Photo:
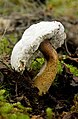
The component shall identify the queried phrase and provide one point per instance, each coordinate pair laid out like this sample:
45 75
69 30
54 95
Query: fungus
45 37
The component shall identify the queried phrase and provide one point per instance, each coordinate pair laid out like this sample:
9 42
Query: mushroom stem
44 81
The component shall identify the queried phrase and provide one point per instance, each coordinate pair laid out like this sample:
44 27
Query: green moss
2 92
21 116
5 45
6 108
1 95
16 116
60 68
49 113
12 116
12 111
73 69
37 64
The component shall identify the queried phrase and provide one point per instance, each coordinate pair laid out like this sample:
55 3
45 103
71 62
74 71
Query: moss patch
5 45
73 69
12 110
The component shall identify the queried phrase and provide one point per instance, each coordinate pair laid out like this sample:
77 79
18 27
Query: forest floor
17 96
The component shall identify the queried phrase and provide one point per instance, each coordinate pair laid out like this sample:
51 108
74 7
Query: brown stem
44 81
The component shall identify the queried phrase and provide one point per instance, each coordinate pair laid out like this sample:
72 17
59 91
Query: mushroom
45 37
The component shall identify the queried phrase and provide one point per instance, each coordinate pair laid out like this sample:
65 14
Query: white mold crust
25 49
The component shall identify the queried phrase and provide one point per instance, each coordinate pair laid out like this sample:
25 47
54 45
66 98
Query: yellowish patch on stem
44 81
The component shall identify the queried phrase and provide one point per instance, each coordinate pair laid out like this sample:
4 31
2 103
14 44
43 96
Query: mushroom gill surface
45 79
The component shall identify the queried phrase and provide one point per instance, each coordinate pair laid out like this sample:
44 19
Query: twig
67 48
16 89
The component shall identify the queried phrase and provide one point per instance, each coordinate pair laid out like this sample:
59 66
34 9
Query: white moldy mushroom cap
24 50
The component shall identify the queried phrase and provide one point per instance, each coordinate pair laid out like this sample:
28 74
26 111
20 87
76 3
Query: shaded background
17 15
